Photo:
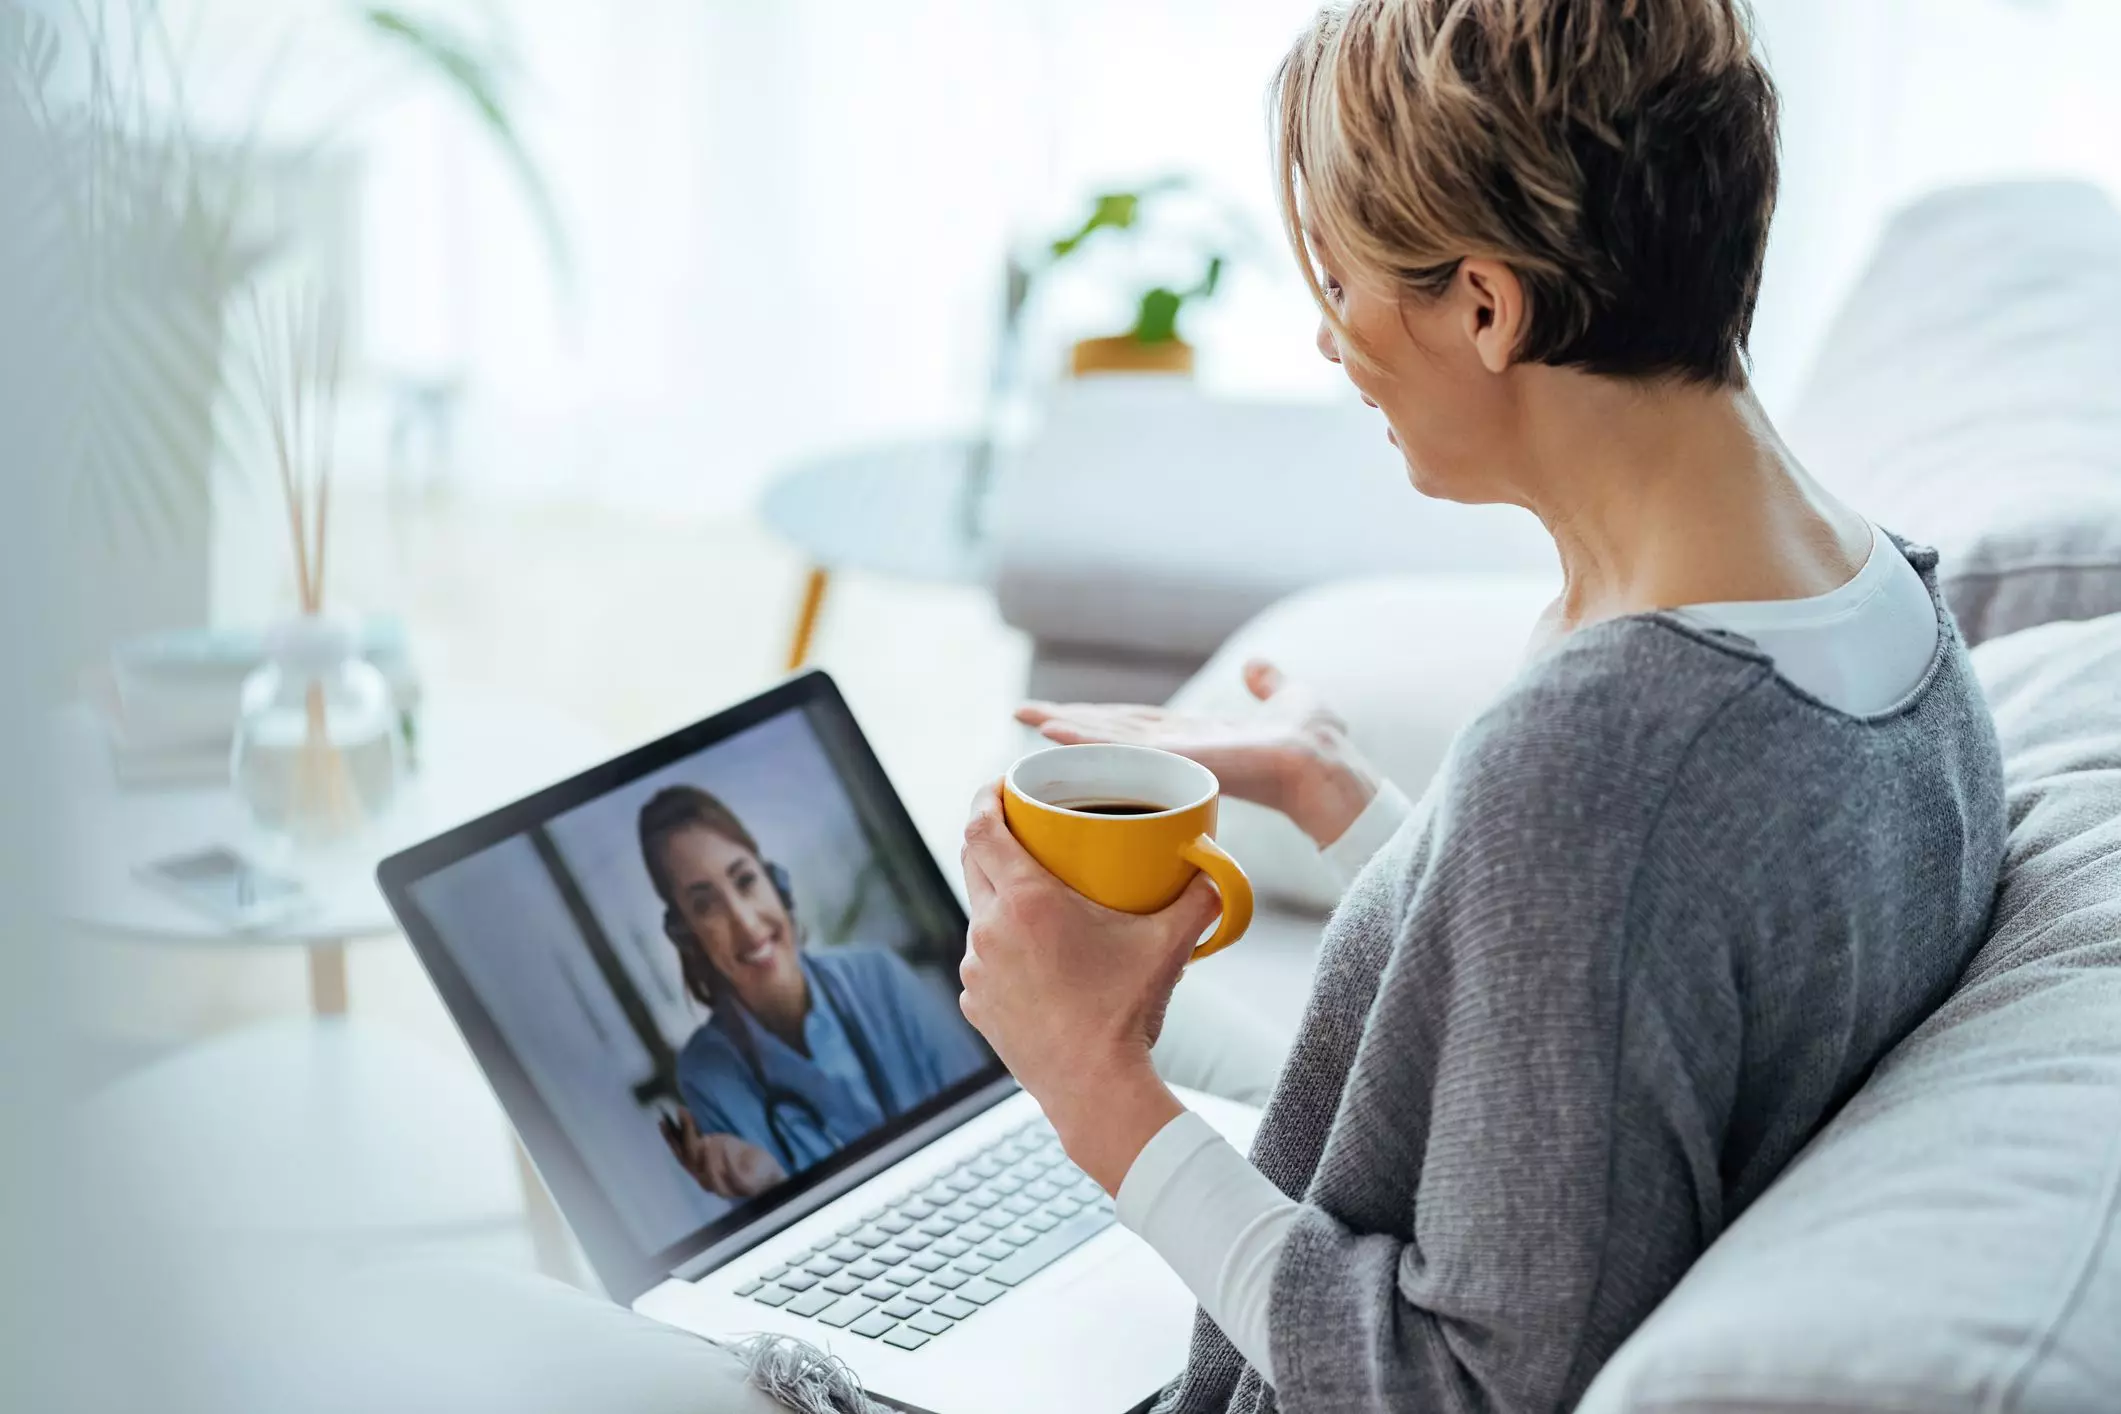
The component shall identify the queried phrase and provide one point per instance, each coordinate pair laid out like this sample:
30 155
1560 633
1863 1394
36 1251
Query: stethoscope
777 1098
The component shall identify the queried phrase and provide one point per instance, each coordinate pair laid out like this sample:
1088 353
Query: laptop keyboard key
980 1292
931 1323
874 1324
916 1210
845 1252
774 1296
812 1302
868 1269
822 1266
798 1281
774 1273
880 1291
903 1276
937 1226
996 1249
929 1262
894 1224
1040 1222
870 1237
842 1284
905 1338
955 1307
846 1311
900 1309
1018 1237
1019 1204
949 1281
749 1288
971 1266
890 1256
914 1242
1056 1244
926 1294
951 1247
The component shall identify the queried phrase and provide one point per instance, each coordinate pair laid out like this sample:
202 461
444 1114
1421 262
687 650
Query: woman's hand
1071 994
722 1164
1294 757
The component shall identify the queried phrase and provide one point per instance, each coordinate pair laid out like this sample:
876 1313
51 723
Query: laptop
714 984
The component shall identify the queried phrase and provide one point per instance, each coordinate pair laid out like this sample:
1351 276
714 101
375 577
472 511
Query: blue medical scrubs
920 1043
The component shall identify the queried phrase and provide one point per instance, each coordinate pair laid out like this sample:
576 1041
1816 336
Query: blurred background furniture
328 1134
909 510
1145 522
477 752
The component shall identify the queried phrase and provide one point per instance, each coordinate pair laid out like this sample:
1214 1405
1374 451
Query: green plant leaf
1206 288
472 75
1113 211
1158 321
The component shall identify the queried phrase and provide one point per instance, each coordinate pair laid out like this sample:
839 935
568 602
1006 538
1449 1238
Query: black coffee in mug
1110 807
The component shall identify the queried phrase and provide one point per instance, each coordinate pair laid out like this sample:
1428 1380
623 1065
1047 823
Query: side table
907 509
477 751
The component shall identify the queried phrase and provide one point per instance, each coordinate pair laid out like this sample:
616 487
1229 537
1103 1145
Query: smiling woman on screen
1731 832
804 1052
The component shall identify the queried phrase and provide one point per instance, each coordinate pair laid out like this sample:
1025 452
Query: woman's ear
1494 304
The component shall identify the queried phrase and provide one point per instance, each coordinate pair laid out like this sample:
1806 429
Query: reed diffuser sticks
299 342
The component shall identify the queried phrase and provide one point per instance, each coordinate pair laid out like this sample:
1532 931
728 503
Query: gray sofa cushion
1969 395
1952 1240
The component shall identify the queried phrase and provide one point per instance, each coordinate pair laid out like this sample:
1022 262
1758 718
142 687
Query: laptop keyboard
917 1268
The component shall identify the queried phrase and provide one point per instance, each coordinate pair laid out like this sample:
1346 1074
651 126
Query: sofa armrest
1148 521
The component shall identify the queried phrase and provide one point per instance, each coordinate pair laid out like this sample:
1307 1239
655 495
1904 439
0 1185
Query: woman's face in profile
1446 414
725 896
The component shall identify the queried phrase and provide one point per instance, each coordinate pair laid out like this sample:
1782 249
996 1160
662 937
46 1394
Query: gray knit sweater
1655 920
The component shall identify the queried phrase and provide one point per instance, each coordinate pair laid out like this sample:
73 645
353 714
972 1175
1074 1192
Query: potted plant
1153 344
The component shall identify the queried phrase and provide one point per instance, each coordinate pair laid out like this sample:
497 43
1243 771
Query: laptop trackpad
1101 1331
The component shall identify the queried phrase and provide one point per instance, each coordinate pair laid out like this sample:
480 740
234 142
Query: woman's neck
783 1011
1662 495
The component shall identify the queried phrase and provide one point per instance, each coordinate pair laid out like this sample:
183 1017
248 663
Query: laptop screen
719 973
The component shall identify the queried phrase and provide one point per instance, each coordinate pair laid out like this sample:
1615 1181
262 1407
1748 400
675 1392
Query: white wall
789 216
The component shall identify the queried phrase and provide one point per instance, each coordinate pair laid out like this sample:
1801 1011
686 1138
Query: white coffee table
477 751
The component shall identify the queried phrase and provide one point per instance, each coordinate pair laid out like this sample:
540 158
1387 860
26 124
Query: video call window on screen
716 976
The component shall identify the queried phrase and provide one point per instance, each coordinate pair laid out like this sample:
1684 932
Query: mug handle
1204 854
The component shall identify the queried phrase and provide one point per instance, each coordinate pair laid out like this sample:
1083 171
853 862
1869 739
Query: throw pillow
1968 396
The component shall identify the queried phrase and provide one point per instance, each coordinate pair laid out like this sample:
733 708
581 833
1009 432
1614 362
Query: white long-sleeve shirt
1216 1220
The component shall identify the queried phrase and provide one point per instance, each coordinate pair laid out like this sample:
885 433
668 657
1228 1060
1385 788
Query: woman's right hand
722 1164
1294 757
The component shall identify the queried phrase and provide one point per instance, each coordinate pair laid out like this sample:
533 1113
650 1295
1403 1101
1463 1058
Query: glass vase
316 755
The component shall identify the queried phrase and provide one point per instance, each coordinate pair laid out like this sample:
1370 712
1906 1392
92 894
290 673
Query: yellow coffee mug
1127 827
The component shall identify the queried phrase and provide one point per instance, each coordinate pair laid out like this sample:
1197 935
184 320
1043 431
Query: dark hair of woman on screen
802 1052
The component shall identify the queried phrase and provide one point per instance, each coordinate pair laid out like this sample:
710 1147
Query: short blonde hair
1618 155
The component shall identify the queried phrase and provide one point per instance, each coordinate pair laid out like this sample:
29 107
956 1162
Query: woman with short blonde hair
1731 832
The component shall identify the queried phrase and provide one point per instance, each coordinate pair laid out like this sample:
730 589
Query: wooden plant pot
1123 353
